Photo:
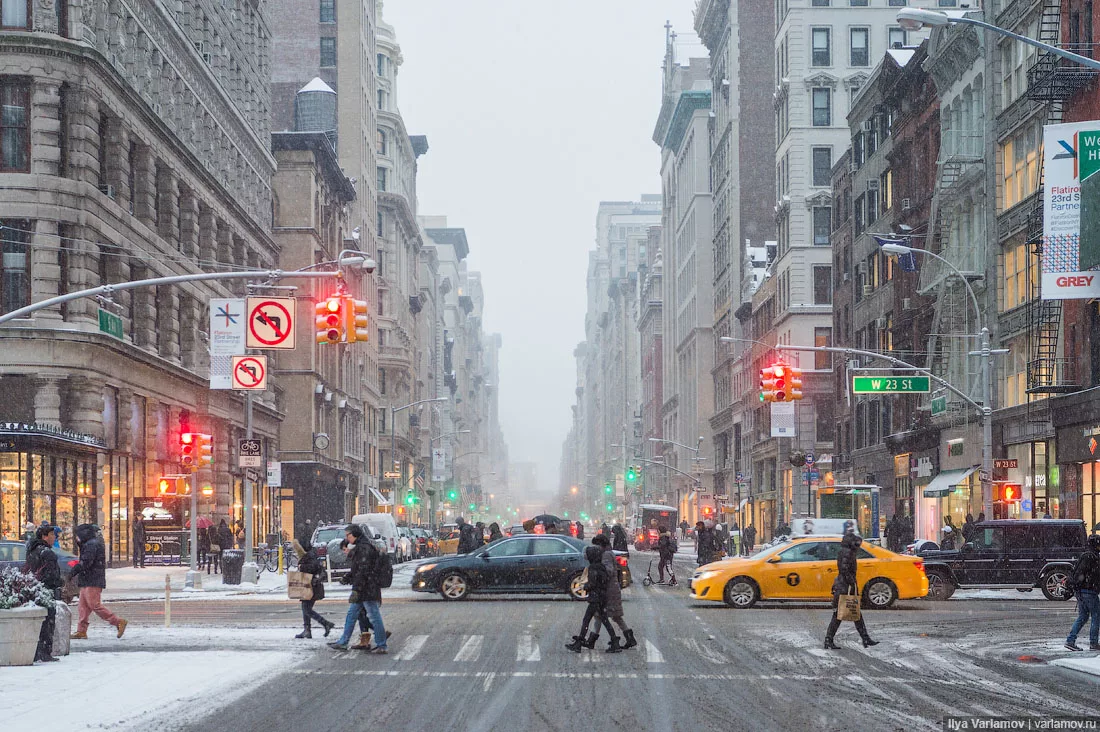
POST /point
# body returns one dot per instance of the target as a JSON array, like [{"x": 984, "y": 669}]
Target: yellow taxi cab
[
  {"x": 448, "y": 539},
  {"x": 804, "y": 569}
]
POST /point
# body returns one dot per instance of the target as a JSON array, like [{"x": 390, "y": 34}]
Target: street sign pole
[
  {"x": 250, "y": 572},
  {"x": 194, "y": 576}
]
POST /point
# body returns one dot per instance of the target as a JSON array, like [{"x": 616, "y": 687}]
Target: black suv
[{"x": 1007, "y": 554}]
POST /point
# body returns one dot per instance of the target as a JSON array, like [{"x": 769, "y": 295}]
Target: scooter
[{"x": 648, "y": 579}]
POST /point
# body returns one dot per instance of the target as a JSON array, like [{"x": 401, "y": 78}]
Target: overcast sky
[{"x": 534, "y": 112}]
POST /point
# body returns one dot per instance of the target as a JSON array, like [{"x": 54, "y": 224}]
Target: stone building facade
[{"x": 140, "y": 150}]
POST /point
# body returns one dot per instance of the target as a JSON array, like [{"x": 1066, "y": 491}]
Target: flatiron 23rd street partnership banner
[{"x": 1071, "y": 211}]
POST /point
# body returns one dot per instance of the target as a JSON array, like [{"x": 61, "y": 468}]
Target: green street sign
[
  {"x": 939, "y": 405},
  {"x": 891, "y": 384},
  {"x": 110, "y": 324}
]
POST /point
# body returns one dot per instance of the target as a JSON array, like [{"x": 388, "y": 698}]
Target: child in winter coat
[{"x": 598, "y": 581}]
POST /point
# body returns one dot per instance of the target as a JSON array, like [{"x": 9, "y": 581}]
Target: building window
[
  {"x": 64, "y": 96},
  {"x": 823, "y": 165},
  {"x": 381, "y": 179},
  {"x": 948, "y": 3},
  {"x": 822, "y": 51},
  {"x": 381, "y": 65},
  {"x": 823, "y": 225},
  {"x": 15, "y": 105},
  {"x": 895, "y": 37},
  {"x": 15, "y": 284},
  {"x": 1014, "y": 385},
  {"x": 381, "y": 99},
  {"x": 380, "y": 142},
  {"x": 858, "y": 3},
  {"x": 328, "y": 11},
  {"x": 872, "y": 207},
  {"x": 328, "y": 52},
  {"x": 823, "y": 288},
  {"x": 381, "y": 224},
  {"x": 823, "y": 338},
  {"x": 15, "y": 14},
  {"x": 1020, "y": 280},
  {"x": 886, "y": 190},
  {"x": 896, "y": 3},
  {"x": 859, "y": 46},
  {"x": 858, "y": 210},
  {"x": 1020, "y": 166},
  {"x": 1016, "y": 59},
  {"x": 823, "y": 113},
  {"x": 824, "y": 422},
  {"x": 382, "y": 390},
  {"x": 820, "y": 3}
]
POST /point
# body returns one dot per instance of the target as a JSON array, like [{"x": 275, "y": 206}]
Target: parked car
[
  {"x": 515, "y": 530},
  {"x": 381, "y": 524},
  {"x": 406, "y": 544},
  {"x": 1009, "y": 554},
  {"x": 14, "y": 554},
  {"x": 448, "y": 539},
  {"x": 425, "y": 543},
  {"x": 518, "y": 564},
  {"x": 327, "y": 540}
]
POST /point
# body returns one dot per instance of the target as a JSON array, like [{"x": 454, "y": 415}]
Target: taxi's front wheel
[{"x": 741, "y": 593}]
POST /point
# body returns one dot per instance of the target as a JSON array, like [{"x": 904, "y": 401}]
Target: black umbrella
[{"x": 546, "y": 519}]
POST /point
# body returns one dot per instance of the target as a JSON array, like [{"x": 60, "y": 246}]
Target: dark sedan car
[
  {"x": 14, "y": 553},
  {"x": 525, "y": 563}
]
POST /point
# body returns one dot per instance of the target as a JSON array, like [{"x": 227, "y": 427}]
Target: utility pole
[{"x": 250, "y": 572}]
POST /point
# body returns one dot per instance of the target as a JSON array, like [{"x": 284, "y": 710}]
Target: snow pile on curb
[
  {"x": 1078, "y": 662},
  {"x": 127, "y": 583}
]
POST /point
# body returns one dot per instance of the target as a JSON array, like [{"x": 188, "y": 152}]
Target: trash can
[{"x": 232, "y": 562}]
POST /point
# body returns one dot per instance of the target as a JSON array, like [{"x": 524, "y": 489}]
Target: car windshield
[{"x": 324, "y": 536}]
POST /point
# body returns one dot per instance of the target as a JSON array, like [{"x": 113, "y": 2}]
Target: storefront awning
[
  {"x": 382, "y": 500},
  {"x": 946, "y": 481}
]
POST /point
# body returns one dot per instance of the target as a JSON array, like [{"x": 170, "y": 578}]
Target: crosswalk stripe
[
  {"x": 590, "y": 655},
  {"x": 527, "y": 650},
  {"x": 411, "y": 648},
  {"x": 652, "y": 655},
  {"x": 704, "y": 650},
  {"x": 471, "y": 649}
]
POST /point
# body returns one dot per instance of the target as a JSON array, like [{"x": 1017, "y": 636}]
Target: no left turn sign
[
  {"x": 270, "y": 322},
  {"x": 250, "y": 373}
]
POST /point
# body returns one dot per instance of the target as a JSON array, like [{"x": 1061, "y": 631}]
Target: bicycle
[{"x": 268, "y": 557}]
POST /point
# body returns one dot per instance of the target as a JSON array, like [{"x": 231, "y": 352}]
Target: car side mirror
[
  {"x": 774, "y": 560},
  {"x": 484, "y": 555},
  {"x": 377, "y": 536},
  {"x": 968, "y": 546}
]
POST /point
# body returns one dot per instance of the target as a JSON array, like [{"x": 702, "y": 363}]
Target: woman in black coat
[
  {"x": 619, "y": 541},
  {"x": 596, "y": 587},
  {"x": 846, "y": 584},
  {"x": 310, "y": 563}
]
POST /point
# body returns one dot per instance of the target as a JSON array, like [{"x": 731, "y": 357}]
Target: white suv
[{"x": 406, "y": 544}]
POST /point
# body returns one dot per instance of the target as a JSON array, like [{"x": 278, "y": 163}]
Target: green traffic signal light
[
  {"x": 451, "y": 495},
  {"x": 473, "y": 506},
  {"x": 631, "y": 474},
  {"x": 607, "y": 489},
  {"x": 410, "y": 499},
  {"x": 565, "y": 514},
  {"x": 610, "y": 507}
]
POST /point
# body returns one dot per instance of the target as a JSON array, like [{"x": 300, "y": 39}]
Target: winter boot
[
  {"x": 830, "y": 646},
  {"x": 630, "y": 641},
  {"x": 79, "y": 635},
  {"x": 576, "y": 645},
  {"x": 307, "y": 633},
  {"x": 328, "y": 626},
  {"x": 122, "y": 626},
  {"x": 364, "y": 642},
  {"x": 613, "y": 646},
  {"x": 867, "y": 642},
  {"x": 591, "y": 641}
]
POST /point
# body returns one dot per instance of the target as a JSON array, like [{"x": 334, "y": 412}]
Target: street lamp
[
  {"x": 393, "y": 430},
  {"x": 984, "y": 351},
  {"x": 917, "y": 18}
]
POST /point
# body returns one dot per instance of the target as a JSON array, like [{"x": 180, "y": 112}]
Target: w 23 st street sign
[{"x": 891, "y": 384}]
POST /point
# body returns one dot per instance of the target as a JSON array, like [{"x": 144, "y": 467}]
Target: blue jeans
[
  {"x": 374, "y": 613},
  {"x": 1088, "y": 604}
]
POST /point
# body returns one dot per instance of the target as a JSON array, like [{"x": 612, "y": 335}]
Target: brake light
[
  {"x": 73, "y": 562},
  {"x": 654, "y": 532},
  {"x": 322, "y": 551},
  {"x": 621, "y": 561},
  {"x": 919, "y": 566}
]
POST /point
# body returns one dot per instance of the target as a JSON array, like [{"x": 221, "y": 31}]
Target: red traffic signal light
[
  {"x": 187, "y": 449},
  {"x": 331, "y": 320},
  {"x": 781, "y": 386},
  {"x": 1007, "y": 492}
]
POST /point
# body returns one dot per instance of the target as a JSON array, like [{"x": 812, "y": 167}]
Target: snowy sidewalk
[
  {"x": 1089, "y": 664},
  {"x": 127, "y": 583},
  {"x": 153, "y": 679}
]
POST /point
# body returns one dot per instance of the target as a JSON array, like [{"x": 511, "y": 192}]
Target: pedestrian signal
[{"x": 331, "y": 320}]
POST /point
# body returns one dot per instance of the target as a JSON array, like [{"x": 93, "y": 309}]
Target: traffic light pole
[
  {"x": 250, "y": 572},
  {"x": 194, "y": 576}
]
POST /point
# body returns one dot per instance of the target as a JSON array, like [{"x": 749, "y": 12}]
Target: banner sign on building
[
  {"x": 227, "y": 337},
  {"x": 783, "y": 419},
  {"x": 1071, "y": 204},
  {"x": 439, "y": 464}
]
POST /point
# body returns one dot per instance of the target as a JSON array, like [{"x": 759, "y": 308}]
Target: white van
[{"x": 382, "y": 524}]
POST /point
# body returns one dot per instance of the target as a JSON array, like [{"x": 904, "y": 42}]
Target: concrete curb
[{"x": 1085, "y": 664}]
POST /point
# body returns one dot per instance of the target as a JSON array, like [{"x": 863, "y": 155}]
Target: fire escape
[
  {"x": 1051, "y": 80},
  {"x": 960, "y": 166}
]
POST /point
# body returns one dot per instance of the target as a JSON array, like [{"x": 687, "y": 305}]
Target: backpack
[
  {"x": 672, "y": 543},
  {"x": 383, "y": 570}
]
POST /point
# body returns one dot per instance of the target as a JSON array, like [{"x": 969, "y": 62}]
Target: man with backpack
[
  {"x": 1086, "y": 585},
  {"x": 42, "y": 563},
  {"x": 370, "y": 571}
]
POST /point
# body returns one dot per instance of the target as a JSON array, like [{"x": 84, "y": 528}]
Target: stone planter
[{"x": 19, "y": 629}]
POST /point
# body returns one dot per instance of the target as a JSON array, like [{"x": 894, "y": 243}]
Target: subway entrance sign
[{"x": 891, "y": 384}]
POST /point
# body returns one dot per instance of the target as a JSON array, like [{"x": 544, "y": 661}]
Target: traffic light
[
  {"x": 707, "y": 511},
  {"x": 165, "y": 485},
  {"x": 187, "y": 449},
  {"x": 795, "y": 383},
  {"x": 767, "y": 384},
  {"x": 610, "y": 507},
  {"x": 174, "y": 485},
  {"x": 473, "y": 506},
  {"x": 782, "y": 383},
  {"x": 452, "y": 495},
  {"x": 1007, "y": 492},
  {"x": 205, "y": 457},
  {"x": 358, "y": 322},
  {"x": 207, "y": 489},
  {"x": 631, "y": 474},
  {"x": 608, "y": 489},
  {"x": 331, "y": 320}
]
